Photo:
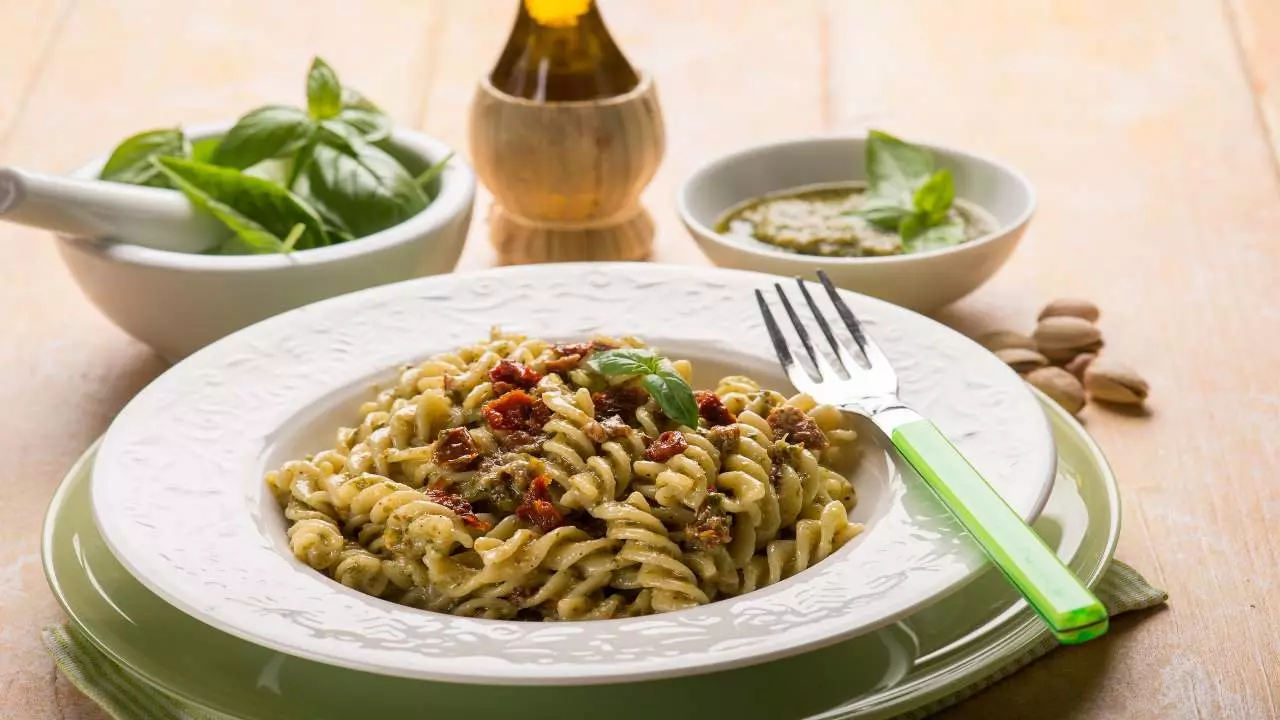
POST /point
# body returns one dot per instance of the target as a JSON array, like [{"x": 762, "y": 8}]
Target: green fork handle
[{"x": 1066, "y": 605}]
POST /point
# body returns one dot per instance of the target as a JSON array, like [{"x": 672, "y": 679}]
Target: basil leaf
[
  {"x": 887, "y": 217},
  {"x": 427, "y": 179},
  {"x": 352, "y": 98},
  {"x": 131, "y": 162},
  {"x": 324, "y": 92},
  {"x": 935, "y": 196},
  {"x": 894, "y": 167},
  {"x": 624, "y": 361},
  {"x": 373, "y": 126},
  {"x": 259, "y": 212},
  {"x": 268, "y": 132},
  {"x": 912, "y": 226},
  {"x": 941, "y": 236},
  {"x": 673, "y": 395},
  {"x": 362, "y": 186},
  {"x": 202, "y": 150}
]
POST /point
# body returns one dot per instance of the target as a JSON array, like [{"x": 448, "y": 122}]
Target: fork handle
[{"x": 1069, "y": 609}]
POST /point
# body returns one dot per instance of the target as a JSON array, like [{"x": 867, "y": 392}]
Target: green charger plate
[{"x": 932, "y": 654}]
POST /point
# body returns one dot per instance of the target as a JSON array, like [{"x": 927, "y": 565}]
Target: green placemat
[{"x": 124, "y": 696}]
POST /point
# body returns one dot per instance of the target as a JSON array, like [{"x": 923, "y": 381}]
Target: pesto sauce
[{"x": 816, "y": 220}]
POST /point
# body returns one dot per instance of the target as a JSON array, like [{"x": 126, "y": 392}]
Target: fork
[{"x": 1070, "y": 610}]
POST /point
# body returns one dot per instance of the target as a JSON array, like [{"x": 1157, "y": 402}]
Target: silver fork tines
[{"x": 864, "y": 388}]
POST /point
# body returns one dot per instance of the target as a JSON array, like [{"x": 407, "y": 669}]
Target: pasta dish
[{"x": 529, "y": 480}]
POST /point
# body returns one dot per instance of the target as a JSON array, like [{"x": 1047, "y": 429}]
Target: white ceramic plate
[{"x": 179, "y": 497}]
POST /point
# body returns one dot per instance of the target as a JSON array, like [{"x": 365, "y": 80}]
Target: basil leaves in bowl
[
  {"x": 317, "y": 202},
  {"x": 917, "y": 225}
]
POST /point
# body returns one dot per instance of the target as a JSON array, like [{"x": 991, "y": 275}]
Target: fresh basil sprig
[
  {"x": 336, "y": 183},
  {"x": 907, "y": 195},
  {"x": 663, "y": 384}
]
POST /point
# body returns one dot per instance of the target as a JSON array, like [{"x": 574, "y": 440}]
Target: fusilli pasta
[{"x": 510, "y": 480}]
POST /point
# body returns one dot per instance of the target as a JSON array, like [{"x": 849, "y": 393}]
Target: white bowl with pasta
[{"x": 228, "y": 489}]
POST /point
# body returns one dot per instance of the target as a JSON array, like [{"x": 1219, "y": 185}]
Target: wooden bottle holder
[{"x": 567, "y": 176}]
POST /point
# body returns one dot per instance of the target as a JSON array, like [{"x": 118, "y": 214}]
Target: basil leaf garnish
[
  {"x": 933, "y": 198},
  {"x": 268, "y": 132},
  {"x": 324, "y": 91},
  {"x": 131, "y": 162},
  {"x": 673, "y": 395},
  {"x": 886, "y": 218},
  {"x": 663, "y": 384},
  {"x": 934, "y": 238},
  {"x": 260, "y": 213},
  {"x": 624, "y": 362},
  {"x": 905, "y": 193},
  {"x": 895, "y": 168}
]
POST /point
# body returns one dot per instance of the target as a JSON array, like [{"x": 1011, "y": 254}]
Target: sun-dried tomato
[
  {"x": 516, "y": 410},
  {"x": 536, "y": 508},
  {"x": 460, "y": 507},
  {"x": 621, "y": 401},
  {"x": 725, "y": 438},
  {"x": 795, "y": 426},
  {"x": 668, "y": 445},
  {"x": 712, "y": 409},
  {"x": 710, "y": 527},
  {"x": 518, "y": 374},
  {"x": 564, "y": 363},
  {"x": 567, "y": 349},
  {"x": 456, "y": 450}
]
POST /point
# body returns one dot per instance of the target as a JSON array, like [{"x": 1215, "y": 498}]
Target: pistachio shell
[
  {"x": 1071, "y": 307},
  {"x": 1079, "y": 364},
  {"x": 1005, "y": 339},
  {"x": 1022, "y": 360},
  {"x": 1061, "y": 337},
  {"x": 1115, "y": 382},
  {"x": 1060, "y": 385}
]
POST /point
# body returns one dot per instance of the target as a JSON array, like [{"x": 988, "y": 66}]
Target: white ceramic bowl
[
  {"x": 179, "y": 495},
  {"x": 922, "y": 281},
  {"x": 180, "y": 302}
]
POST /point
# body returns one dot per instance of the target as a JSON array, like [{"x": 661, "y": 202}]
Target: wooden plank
[
  {"x": 710, "y": 71},
  {"x": 1257, "y": 27},
  {"x": 68, "y": 370},
  {"x": 1159, "y": 201},
  {"x": 29, "y": 30}
]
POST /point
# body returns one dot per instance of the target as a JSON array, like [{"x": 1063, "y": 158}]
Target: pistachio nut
[
  {"x": 1005, "y": 339},
  {"x": 1071, "y": 307},
  {"x": 1060, "y": 385},
  {"x": 1061, "y": 337},
  {"x": 1115, "y": 382},
  {"x": 1078, "y": 364},
  {"x": 1022, "y": 360}
]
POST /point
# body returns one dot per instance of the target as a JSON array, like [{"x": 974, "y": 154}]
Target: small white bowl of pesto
[{"x": 917, "y": 225}]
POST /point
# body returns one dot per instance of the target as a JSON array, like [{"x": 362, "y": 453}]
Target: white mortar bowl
[{"x": 179, "y": 302}]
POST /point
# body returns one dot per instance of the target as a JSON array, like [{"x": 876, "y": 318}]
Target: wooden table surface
[{"x": 1150, "y": 127}]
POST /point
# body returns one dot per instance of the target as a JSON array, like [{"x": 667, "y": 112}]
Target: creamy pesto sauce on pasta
[{"x": 580, "y": 513}]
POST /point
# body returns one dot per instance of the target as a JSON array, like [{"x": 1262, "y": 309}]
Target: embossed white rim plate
[{"x": 179, "y": 497}]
